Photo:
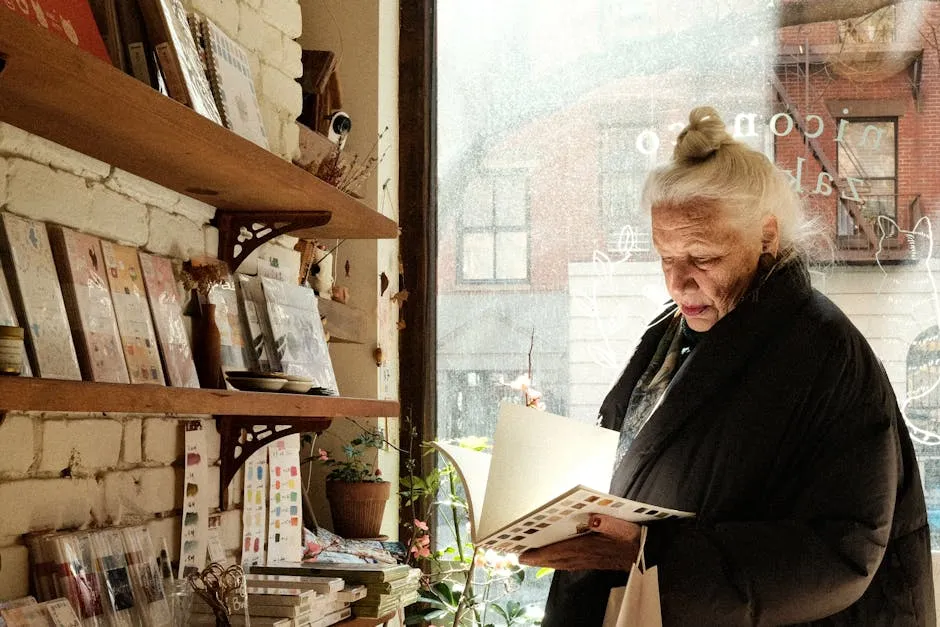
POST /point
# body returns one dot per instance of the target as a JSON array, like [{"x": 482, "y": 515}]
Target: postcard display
[
  {"x": 38, "y": 297},
  {"x": 82, "y": 276},
  {"x": 168, "y": 320}
]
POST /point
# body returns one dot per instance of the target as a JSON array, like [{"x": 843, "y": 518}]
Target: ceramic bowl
[
  {"x": 297, "y": 384},
  {"x": 257, "y": 384}
]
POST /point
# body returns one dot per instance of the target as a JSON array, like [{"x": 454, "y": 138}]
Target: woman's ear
[{"x": 770, "y": 235}]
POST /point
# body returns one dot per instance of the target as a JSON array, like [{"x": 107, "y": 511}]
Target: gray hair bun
[{"x": 704, "y": 135}]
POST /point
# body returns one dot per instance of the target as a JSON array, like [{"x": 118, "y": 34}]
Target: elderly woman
[{"x": 754, "y": 402}]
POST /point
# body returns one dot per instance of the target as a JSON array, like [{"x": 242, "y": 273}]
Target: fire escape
[{"x": 865, "y": 232}]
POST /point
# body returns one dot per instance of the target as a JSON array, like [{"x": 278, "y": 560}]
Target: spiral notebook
[
  {"x": 183, "y": 72},
  {"x": 232, "y": 84}
]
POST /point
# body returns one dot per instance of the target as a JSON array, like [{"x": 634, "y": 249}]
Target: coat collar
[{"x": 719, "y": 358}]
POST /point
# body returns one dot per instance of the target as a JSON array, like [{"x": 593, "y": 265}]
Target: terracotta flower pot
[{"x": 357, "y": 508}]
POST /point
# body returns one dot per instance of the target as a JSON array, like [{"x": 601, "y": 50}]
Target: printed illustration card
[
  {"x": 88, "y": 301},
  {"x": 534, "y": 490},
  {"x": 8, "y": 318},
  {"x": 36, "y": 293},
  {"x": 285, "y": 512},
  {"x": 194, "y": 535},
  {"x": 168, "y": 320},
  {"x": 227, "y": 319},
  {"x": 256, "y": 325},
  {"x": 255, "y": 509},
  {"x": 133, "y": 313}
]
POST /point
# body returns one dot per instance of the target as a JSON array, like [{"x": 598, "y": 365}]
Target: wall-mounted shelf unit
[
  {"x": 246, "y": 420},
  {"x": 56, "y": 90}
]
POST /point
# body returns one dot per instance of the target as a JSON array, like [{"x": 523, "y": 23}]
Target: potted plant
[{"x": 355, "y": 489}]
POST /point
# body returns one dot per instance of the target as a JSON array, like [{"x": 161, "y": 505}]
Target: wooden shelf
[
  {"x": 34, "y": 394},
  {"x": 58, "y": 91}
]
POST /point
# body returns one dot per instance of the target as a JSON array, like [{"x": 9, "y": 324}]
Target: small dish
[
  {"x": 248, "y": 374},
  {"x": 297, "y": 384},
  {"x": 257, "y": 384}
]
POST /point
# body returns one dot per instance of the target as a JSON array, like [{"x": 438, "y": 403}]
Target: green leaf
[
  {"x": 443, "y": 590},
  {"x": 541, "y": 572},
  {"x": 499, "y": 610}
]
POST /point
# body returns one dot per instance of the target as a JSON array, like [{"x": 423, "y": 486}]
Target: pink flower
[
  {"x": 421, "y": 551},
  {"x": 420, "y": 524},
  {"x": 323, "y": 455},
  {"x": 423, "y": 541}
]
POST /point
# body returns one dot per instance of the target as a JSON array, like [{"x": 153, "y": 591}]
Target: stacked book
[
  {"x": 289, "y": 601},
  {"x": 388, "y": 587}
]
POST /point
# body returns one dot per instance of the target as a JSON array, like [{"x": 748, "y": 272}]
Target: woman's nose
[{"x": 679, "y": 278}]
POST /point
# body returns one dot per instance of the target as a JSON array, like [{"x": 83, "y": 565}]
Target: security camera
[{"x": 340, "y": 125}]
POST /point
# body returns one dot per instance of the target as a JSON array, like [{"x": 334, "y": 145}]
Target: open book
[{"x": 545, "y": 477}]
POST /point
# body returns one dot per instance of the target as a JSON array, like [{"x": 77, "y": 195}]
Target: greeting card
[{"x": 133, "y": 314}]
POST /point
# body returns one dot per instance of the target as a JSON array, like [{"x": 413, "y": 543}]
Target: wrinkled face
[{"x": 707, "y": 260}]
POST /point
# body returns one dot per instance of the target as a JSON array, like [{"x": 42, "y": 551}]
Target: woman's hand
[{"x": 612, "y": 544}]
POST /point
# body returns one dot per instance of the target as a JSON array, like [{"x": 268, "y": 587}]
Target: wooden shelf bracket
[
  {"x": 242, "y": 436},
  {"x": 241, "y": 232}
]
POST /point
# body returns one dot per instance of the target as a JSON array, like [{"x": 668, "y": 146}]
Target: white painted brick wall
[
  {"x": 85, "y": 445},
  {"x": 222, "y": 12},
  {"x": 127, "y": 466},
  {"x": 284, "y": 14},
  {"x": 37, "y": 504},
  {"x": 17, "y": 458},
  {"x": 131, "y": 451}
]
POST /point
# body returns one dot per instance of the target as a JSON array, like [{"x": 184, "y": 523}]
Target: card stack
[
  {"x": 388, "y": 587},
  {"x": 290, "y": 602}
]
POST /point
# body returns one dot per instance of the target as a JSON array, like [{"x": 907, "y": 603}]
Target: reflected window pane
[
  {"x": 510, "y": 201},
  {"x": 477, "y": 260},
  {"x": 477, "y": 206},
  {"x": 512, "y": 255}
]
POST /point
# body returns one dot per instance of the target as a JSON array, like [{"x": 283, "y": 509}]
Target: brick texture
[{"x": 66, "y": 471}]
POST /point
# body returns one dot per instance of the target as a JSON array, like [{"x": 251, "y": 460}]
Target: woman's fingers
[
  {"x": 612, "y": 545},
  {"x": 614, "y": 527}
]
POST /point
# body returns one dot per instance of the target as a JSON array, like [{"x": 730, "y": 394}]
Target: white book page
[
  {"x": 536, "y": 457},
  {"x": 474, "y": 469}
]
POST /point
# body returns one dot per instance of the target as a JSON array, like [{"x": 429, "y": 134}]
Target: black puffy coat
[{"x": 781, "y": 431}]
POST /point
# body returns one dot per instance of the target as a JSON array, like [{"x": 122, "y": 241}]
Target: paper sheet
[
  {"x": 285, "y": 513},
  {"x": 195, "y": 527},
  {"x": 255, "y": 509},
  {"x": 536, "y": 457}
]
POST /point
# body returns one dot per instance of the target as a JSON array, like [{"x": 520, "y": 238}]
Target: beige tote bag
[{"x": 637, "y": 604}]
